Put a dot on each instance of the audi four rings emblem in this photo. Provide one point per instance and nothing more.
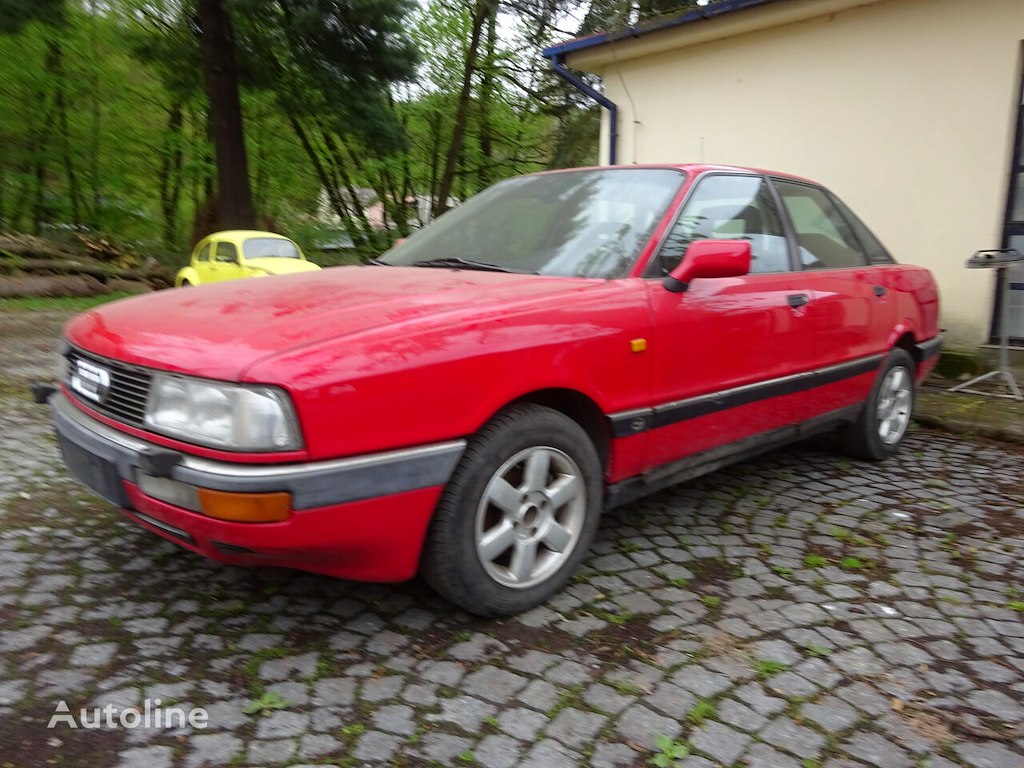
(89, 380)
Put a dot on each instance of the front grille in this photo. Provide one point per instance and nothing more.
(125, 400)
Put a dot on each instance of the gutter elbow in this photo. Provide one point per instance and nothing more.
(559, 68)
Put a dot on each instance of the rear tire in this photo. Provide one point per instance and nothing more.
(518, 514)
(882, 425)
(185, 284)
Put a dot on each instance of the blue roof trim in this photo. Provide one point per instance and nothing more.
(719, 8)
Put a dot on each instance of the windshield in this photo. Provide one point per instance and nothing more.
(573, 224)
(264, 247)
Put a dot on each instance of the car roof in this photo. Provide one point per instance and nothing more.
(239, 234)
(693, 168)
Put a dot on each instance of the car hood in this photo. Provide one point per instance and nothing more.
(220, 330)
(282, 266)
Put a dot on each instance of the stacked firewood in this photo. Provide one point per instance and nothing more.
(33, 266)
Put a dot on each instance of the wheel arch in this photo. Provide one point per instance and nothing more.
(186, 273)
(578, 407)
(908, 344)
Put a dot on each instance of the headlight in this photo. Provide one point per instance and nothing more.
(228, 416)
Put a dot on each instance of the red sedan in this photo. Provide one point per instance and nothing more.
(467, 405)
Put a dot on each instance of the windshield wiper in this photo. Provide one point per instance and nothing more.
(456, 262)
(378, 262)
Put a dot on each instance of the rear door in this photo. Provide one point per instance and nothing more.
(852, 310)
(728, 351)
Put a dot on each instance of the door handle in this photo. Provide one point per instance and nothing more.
(798, 300)
(879, 290)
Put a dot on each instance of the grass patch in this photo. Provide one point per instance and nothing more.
(701, 712)
(627, 688)
(766, 668)
(815, 561)
(65, 303)
(265, 704)
(711, 601)
(618, 619)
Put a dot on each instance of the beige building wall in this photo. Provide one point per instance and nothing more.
(904, 108)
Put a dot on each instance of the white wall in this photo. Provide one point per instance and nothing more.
(904, 108)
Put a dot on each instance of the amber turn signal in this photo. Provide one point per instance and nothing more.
(245, 507)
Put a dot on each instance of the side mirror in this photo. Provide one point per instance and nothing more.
(709, 258)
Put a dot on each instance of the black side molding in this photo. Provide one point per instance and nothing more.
(926, 350)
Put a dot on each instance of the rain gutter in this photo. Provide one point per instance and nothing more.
(556, 54)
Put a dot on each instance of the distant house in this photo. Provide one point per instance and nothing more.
(417, 207)
(912, 111)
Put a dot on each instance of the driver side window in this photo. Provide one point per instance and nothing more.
(726, 207)
(226, 252)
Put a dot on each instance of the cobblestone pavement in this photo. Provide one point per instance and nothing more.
(799, 610)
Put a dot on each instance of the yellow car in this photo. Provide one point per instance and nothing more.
(239, 253)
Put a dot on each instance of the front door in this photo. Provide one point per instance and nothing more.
(725, 352)
(224, 265)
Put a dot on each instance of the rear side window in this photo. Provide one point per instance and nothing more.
(825, 239)
(726, 207)
(869, 243)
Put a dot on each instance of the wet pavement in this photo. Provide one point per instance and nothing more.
(800, 610)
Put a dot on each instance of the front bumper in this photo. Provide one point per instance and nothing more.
(362, 518)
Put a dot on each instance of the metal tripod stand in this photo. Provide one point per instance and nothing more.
(999, 260)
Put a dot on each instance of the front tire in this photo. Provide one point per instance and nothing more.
(518, 514)
(882, 425)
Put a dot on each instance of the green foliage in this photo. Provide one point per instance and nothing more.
(701, 712)
(15, 14)
(670, 752)
(266, 703)
(811, 649)
(104, 119)
(766, 668)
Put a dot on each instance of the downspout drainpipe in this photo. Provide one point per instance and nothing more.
(613, 110)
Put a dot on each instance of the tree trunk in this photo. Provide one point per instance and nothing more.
(330, 185)
(481, 12)
(485, 173)
(55, 65)
(234, 195)
(169, 176)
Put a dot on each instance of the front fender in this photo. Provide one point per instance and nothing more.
(186, 273)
